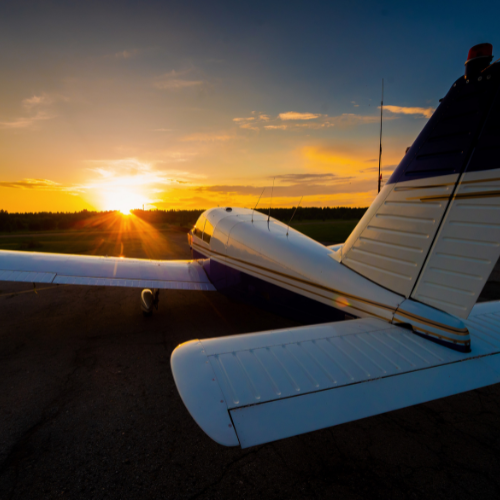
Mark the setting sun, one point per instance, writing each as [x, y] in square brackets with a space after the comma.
[123, 200]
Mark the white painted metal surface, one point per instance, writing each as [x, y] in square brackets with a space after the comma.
[433, 323]
[27, 277]
[285, 418]
[296, 262]
[286, 382]
[200, 392]
[36, 267]
[277, 365]
[467, 246]
[484, 324]
[392, 240]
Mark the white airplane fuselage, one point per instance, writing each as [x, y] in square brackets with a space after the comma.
[282, 256]
[246, 251]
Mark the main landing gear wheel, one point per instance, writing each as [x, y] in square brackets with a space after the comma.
[149, 300]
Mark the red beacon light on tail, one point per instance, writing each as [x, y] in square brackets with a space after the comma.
[479, 58]
[481, 50]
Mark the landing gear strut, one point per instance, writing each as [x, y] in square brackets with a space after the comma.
[149, 300]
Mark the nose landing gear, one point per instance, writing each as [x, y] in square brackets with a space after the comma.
[149, 300]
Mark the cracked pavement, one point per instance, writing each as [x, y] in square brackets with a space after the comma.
[89, 409]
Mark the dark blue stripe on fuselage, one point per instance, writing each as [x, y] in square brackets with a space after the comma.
[267, 296]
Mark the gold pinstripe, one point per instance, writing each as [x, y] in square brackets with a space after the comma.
[459, 196]
[239, 267]
[309, 283]
[433, 334]
[413, 317]
[434, 324]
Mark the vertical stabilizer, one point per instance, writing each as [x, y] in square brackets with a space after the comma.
[433, 233]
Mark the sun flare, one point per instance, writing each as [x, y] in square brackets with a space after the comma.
[123, 200]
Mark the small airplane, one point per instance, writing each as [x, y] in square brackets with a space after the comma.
[399, 296]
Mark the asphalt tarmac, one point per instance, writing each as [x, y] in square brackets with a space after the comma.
[89, 409]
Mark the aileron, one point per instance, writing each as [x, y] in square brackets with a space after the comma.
[60, 269]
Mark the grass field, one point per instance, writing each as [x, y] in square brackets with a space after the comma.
[142, 240]
[333, 231]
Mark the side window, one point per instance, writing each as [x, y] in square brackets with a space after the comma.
[200, 224]
[209, 229]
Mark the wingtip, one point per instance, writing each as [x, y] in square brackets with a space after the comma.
[200, 392]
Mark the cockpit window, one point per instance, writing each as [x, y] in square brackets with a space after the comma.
[209, 230]
[200, 225]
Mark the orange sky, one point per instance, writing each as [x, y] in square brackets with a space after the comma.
[48, 170]
[137, 114]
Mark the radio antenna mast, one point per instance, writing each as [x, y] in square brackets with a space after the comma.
[257, 203]
[272, 190]
[380, 150]
[293, 215]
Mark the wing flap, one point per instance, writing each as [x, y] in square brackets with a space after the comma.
[282, 383]
[33, 267]
[164, 285]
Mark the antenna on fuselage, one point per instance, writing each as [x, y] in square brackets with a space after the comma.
[293, 215]
[380, 150]
[272, 190]
[257, 203]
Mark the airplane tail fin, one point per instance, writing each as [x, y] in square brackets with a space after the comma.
[433, 232]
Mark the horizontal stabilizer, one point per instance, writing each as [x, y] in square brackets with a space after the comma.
[33, 267]
[256, 388]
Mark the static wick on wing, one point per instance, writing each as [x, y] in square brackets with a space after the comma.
[272, 190]
[257, 203]
[293, 215]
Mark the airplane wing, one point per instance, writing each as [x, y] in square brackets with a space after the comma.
[256, 388]
[35, 267]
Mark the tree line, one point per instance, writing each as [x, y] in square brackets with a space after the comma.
[50, 221]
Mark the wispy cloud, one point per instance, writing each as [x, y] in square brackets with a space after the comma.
[344, 185]
[386, 168]
[25, 122]
[250, 126]
[276, 127]
[307, 177]
[37, 100]
[207, 137]
[126, 54]
[351, 119]
[293, 115]
[135, 171]
[177, 84]
[44, 184]
[426, 112]
[311, 121]
[174, 80]
[37, 108]
[339, 160]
